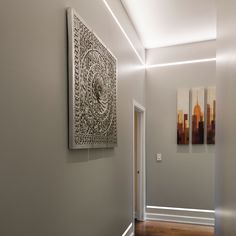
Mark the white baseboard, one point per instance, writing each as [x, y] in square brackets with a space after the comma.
[180, 215]
[129, 231]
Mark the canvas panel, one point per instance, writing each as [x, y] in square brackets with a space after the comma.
[183, 116]
[198, 115]
[211, 114]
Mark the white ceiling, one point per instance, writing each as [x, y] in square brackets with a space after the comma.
[162, 23]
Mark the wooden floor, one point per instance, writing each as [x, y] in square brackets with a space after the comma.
[155, 228]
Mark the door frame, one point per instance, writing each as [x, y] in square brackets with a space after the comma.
[142, 161]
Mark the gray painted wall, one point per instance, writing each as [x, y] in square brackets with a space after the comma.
[226, 115]
[185, 177]
[45, 188]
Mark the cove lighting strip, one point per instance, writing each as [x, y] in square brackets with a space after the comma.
[180, 209]
[127, 230]
[139, 57]
[180, 63]
[123, 31]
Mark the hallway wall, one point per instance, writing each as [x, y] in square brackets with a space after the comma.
[46, 189]
[185, 177]
[226, 115]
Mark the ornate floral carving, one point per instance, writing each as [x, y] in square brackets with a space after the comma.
[94, 89]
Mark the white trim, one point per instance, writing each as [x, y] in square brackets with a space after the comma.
[142, 181]
[138, 106]
[129, 231]
[123, 31]
[180, 63]
[181, 215]
[181, 219]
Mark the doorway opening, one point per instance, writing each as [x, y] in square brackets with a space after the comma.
[139, 186]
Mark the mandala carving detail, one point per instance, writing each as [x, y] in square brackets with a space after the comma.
[92, 85]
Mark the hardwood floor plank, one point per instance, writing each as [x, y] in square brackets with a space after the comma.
[156, 228]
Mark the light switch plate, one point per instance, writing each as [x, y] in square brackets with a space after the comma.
[159, 157]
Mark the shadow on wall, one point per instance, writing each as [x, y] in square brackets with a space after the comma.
[85, 155]
[195, 148]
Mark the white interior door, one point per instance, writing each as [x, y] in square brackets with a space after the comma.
[136, 164]
[139, 162]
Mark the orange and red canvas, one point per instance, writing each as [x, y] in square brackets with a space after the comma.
[198, 115]
[211, 115]
[183, 116]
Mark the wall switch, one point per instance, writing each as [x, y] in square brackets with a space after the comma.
[159, 157]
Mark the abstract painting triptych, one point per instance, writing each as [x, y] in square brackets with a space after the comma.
[199, 113]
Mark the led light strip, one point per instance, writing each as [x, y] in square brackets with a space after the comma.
[181, 63]
[123, 31]
[180, 209]
[127, 230]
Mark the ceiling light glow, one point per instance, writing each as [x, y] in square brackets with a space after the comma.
[161, 23]
[123, 31]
